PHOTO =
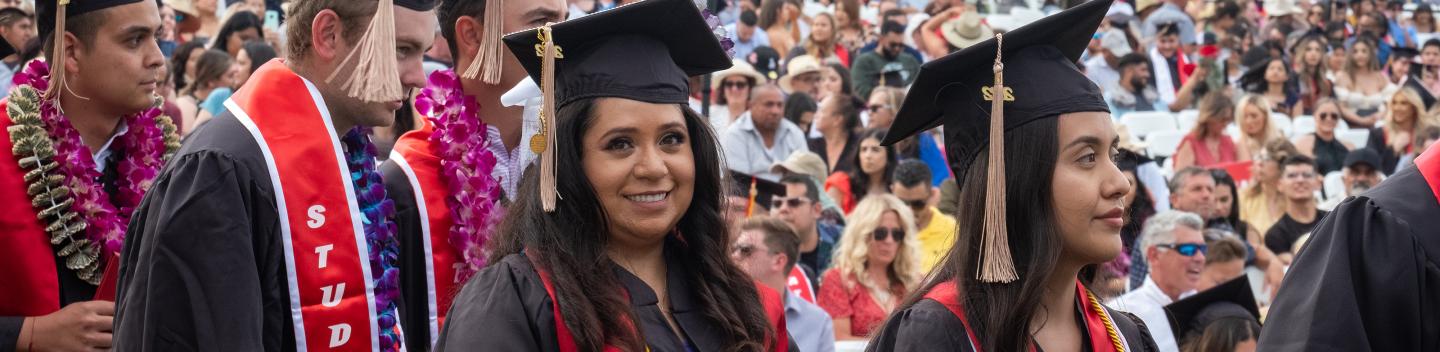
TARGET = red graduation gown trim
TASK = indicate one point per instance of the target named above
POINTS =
(774, 310)
(27, 262)
(415, 155)
(1429, 166)
(332, 300)
(1098, 322)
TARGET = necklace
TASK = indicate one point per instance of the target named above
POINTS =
(378, 211)
(63, 180)
(466, 162)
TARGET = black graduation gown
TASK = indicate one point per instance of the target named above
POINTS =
(505, 308)
(1367, 280)
(204, 265)
(929, 326)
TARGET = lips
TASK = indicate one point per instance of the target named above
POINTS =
(651, 197)
(1115, 217)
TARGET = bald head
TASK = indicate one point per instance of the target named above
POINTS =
(767, 107)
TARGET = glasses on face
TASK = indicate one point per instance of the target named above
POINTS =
(744, 250)
(1301, 174)
(1328, 116)
(893, 232)
(735, 84)
(916, 205)
(1185, 249)
(796, 202)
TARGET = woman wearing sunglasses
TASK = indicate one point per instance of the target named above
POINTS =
(1329, 152)
(876, 265)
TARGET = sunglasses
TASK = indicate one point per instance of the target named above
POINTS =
(735, 84)
(796, 202)
(1185, 249)
(916, 205)
(894, 232)
(1327, 116)
(878, 107)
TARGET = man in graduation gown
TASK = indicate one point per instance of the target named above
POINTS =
(75, 159)
(270, 230)
(1368, 279)
(448, 177)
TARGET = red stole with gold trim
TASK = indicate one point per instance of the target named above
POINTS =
(332, 300)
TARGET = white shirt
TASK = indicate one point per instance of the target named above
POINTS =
(1148, 302)
(745, 150)
(101, 155)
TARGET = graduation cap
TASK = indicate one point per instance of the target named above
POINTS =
(374, 77)
(760, 191)
(51, 14)
(1233, 299)
(644, 51)
(1000, 84)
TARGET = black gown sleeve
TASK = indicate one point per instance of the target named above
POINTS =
(414, 290)
(10, 332)
(199, 272)
(503, 308)
(926, 326)
(1363, 282)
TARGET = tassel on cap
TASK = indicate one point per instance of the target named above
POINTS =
(375, 77)
(57, 67)
(545, 141)
(487, 63)
(996, 264)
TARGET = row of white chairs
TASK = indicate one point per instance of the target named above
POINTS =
(1163, 131)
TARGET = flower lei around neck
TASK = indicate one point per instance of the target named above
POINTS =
(378, 211)
(466, 163)
(63, 183)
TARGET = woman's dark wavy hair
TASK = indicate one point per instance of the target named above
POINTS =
(1222, 178)
(1143, 207)
(259, 52)
(859, 180)
(177, 63)
(567, 245)
(1001, 312)
(239, 21)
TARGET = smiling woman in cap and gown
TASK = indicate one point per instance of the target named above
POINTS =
(616, 240)
(1030, 141)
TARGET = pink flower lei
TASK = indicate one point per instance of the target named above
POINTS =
(466, 164)
(146, 147)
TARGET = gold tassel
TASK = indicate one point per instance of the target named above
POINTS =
(996, 264)
(376, 76)
(488, 57)
(57, 67)
(549, 53)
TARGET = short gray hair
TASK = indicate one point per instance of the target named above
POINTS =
(1183, 176)
(1160, 228)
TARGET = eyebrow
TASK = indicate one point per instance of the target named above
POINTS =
(629, 130)
(1084, 140)
(137, 29)
(546, 14)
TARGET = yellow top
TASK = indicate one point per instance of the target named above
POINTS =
(936, 238)
(1256, 211)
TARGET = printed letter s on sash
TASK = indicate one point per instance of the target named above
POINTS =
(317, 216)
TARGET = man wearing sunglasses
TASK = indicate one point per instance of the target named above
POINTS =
(800, 207)
(767, 249)
(1298, 183)
(912, 185)
(1174, 247)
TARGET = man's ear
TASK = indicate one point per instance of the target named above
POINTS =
(327, 35)
(468, 33)
(778, 263)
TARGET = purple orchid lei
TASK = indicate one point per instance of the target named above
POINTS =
(378, 210)
(466, 163)
(145, 151)
(719, 31)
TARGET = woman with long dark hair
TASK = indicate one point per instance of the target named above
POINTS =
(872, 170)
(837, 121)
(241, 27)
(1040, 198)
(616, 239)
(1309, 66)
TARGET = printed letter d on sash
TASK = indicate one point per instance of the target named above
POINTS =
(339, 334)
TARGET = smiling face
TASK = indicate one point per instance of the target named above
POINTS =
(637, 157)
(1088, 189)
(1327, 118)
(1299, 182)
(1172, 270)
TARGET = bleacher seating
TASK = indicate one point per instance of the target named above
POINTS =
(1163, 143)
(1143, 123)
(1302, 125)
(1357, 137)
(1186, 119)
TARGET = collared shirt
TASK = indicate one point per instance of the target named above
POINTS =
(810, 326)
(744, 48)
(103, 155)
(745, 149)
(510, 164)
(1148, 302)
(936, 238)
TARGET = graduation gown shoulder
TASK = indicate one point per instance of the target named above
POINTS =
(503, 308)
(203, 263)
(1367, 279)
(928, 326)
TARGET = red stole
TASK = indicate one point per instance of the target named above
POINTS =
(332, 300)
(416, 156)
(799, 284)
(27, 261)
(1429, 166)
(1095, 317)
(771, 300)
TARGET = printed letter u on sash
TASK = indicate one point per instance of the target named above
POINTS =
(320, 220)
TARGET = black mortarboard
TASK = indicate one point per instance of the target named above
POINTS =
(45, 11)
(417, 5)
(1403, 53)
(1032, 74)
(644, 51)
(762, 190)
(1232, 299)
(1413, 83)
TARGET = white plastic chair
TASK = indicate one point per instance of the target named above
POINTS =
(1302, 125)
(1163, 143)
(1186, 119)
(1282, 122)
(1357, 137)
(1143, 123)
(1334, 184)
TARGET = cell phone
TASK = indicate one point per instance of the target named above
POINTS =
(272, 19)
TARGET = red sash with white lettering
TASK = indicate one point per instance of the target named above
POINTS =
(1429, 166)
(332, 301)
(414, 154)
(799, 284)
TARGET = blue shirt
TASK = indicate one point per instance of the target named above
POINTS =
(743, 49)
(215, 102)
(810, 326)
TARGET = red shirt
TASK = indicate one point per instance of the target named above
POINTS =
(848, 299)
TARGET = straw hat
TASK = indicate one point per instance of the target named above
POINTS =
(966, 30)
(1275, 8)
(799, 65)
(738, 68)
